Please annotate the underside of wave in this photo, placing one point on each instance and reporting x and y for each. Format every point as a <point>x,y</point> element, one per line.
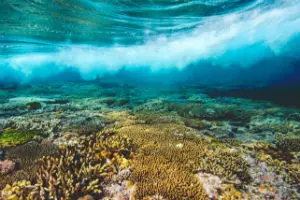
<point>261,44</point>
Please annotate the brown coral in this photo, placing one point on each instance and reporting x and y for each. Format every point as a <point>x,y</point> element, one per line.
<point>288,142</point>
<point>167,156</point>
<point>75,172</point>
<point>227,164</point>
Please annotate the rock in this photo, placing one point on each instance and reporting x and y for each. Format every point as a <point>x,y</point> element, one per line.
<point>211,184</point>
<point>33,105</point>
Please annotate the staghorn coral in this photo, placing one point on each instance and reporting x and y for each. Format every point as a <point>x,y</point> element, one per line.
<point>231,193</point>
<point>227,164</point>
<point>197,124</point>
<point>18,190</point>
<point>75,171</point>
<point>44,123</point>
<point>267,149</point>
<point>82,123</point>
<point>26,157</point>
<point>157,176</point>
<point>229,142</point>
<point>166,157</point>
<point>289,172</point>
<point>155,118</point>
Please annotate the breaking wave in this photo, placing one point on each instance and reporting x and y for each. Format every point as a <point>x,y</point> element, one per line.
<point>154,34</point>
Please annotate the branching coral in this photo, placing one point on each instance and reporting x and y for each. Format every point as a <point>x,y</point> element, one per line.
<point>156,175</point>
<point>230,193</point>
<point>26,156</point>
<point>289,172</point>
<point>167,156</point>
<point>75,172</point>
<point>267,149</point>
<point>226,164</point>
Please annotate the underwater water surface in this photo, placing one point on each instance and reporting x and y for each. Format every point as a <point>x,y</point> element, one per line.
<point>149,99</point>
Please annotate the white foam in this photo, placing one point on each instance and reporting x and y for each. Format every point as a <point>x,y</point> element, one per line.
<point>243,39</point>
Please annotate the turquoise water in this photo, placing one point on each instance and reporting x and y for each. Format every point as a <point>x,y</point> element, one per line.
<point>94,37</point>
<point>149,99</point>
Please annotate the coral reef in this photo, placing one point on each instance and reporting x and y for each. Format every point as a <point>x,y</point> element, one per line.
<point>155,143</point>
<point>212,111</point>
<point>25,157</point>
<point>75,172</point>
<point>227,164</point>
<point>6,166</point>
<point>33,105</point>
<point>167,156</point>
<point>211,184</point>
<point>156,175</point>
<point>288,142</point>
<point>12,137</point>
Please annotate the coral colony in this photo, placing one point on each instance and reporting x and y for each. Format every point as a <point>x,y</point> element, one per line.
<point>148,148</point>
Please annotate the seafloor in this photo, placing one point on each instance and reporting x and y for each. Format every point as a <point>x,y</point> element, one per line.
<point>93,140</point>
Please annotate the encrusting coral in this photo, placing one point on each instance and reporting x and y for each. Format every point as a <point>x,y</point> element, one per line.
<point>12,137</point>
<point>168,157</point>
<point>75,172</point>
<point>288,142</point>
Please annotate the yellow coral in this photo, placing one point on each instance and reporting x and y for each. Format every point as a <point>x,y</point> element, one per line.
<point>230,193</point>
<point>74,170</point>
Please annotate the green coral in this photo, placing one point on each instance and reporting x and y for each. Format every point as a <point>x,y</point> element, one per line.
<point>12,137</point>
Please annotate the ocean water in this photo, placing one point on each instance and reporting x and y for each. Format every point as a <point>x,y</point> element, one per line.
<point>149,99</point>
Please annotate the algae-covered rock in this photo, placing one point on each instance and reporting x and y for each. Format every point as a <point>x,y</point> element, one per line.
<point>122,101</point>
<point>12,137</point>
<point>33,105</point>
<point>288,142</point>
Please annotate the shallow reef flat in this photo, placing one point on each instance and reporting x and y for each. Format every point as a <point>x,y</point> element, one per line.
<point>94,140</point>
